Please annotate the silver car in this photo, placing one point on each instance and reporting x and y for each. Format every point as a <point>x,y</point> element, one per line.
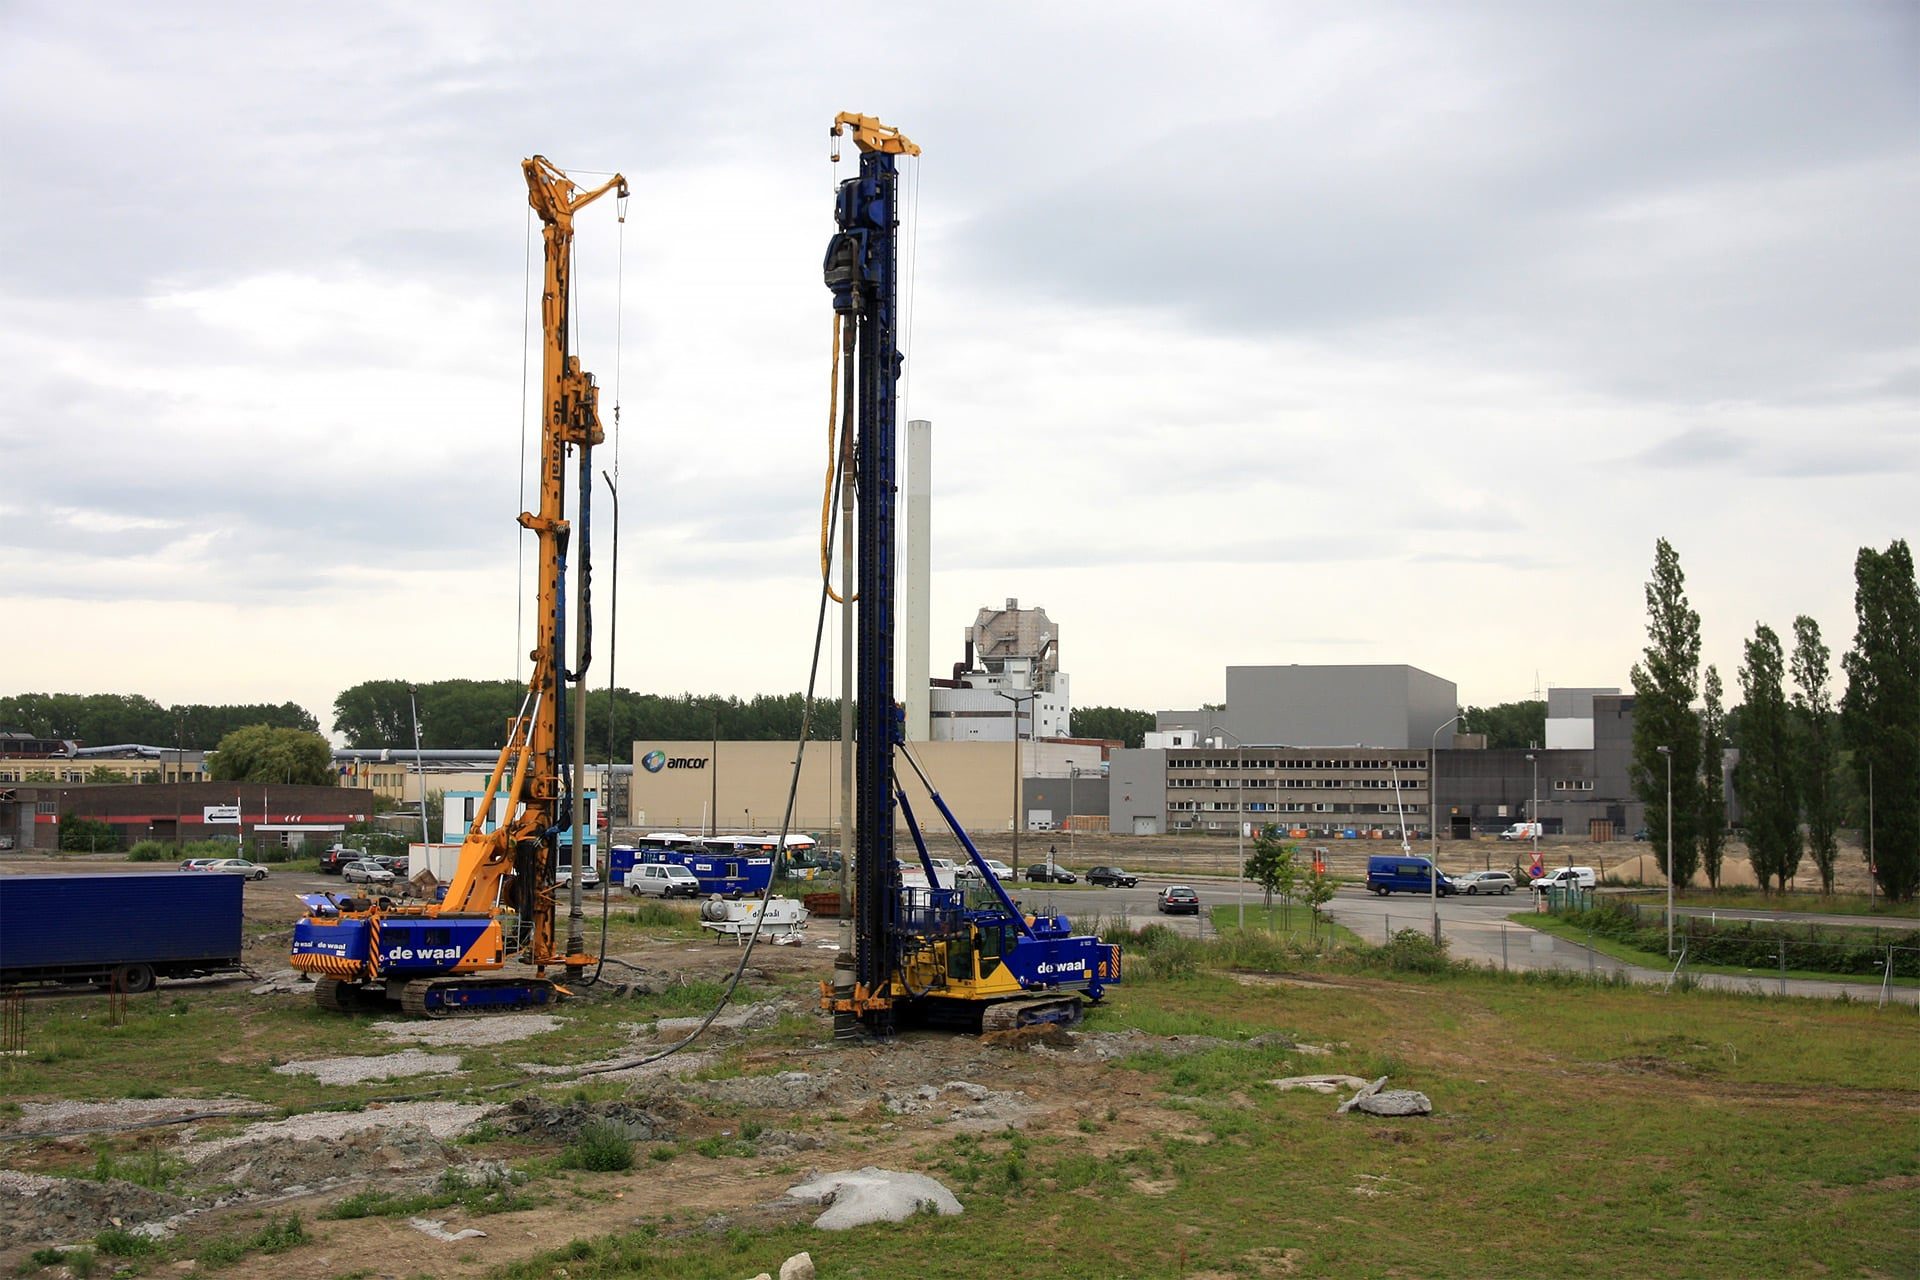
<point>1476,882</point>
<point>366,871</point>
<point>238,867</point>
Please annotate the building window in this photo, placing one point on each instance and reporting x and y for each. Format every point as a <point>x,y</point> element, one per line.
<point>1323,808</point>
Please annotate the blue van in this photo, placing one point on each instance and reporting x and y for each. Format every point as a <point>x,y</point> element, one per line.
<point>1404,874</point>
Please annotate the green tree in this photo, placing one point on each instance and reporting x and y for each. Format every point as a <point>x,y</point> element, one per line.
<point>1664,686</point>
<point>261,753</point>
<point>1319,890</point>
<point>375,713</point>
<point>88,835</point>
<point>1508,724</point>
<point>1816,747</point>
<point>1270,865</point>
<point>1119,723</point>
<point>1880,711</point>
<point>105,719</point>
<point>1766,770</point>
<point>1713,782</point>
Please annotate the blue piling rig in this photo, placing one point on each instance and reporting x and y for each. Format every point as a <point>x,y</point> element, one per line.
<point>919,955</point>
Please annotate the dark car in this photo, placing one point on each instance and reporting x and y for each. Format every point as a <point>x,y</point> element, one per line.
<point>1042,872</point>
<point>335,860</point>
<point>1178,899</point>
<point>1112,876</point>
<point>394,862</point>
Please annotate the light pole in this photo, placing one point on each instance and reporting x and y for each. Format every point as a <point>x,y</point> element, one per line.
<point>1668,753</point>
<point>1433,796</point>
<point>1533,809</point>
<point>1073,772</point>
<point>1239,823</point>
<point>1013,708</point>
<point>419,773</point>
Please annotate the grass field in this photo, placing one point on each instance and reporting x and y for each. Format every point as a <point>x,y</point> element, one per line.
<point>1577,1130</point>
<point>1618,950</point>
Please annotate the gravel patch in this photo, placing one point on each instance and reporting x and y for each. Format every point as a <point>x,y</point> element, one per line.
<point>492,1029</point>
<point>414,1062</point>
<point>36,1210</point>
<point>441,1120</point>
<point>57,1117</point>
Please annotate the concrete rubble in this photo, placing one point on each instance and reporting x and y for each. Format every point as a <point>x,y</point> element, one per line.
<point>498,1028</point>
<point>1395,1102</point>
<point>392,1066</point>
<point>974,1106</point>
<point>1319,1084</point>
<point>438,1230</point>
<point>856,1198</point>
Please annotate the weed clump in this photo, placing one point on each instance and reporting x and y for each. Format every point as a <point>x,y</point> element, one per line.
<point>600,1148</point>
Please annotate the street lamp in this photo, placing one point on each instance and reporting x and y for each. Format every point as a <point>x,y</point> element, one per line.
<point>419,771</point>
<point>1239,823</point>
<point>1533,809</point>
<point>1433,794</point>
<point>1013,707</point>
<point>1667,752</point>
<point>1073,772</point>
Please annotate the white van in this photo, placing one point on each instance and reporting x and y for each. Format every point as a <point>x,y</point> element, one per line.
<point>1566,877</point>
<point>662,880</point>
<point>1522,831</point>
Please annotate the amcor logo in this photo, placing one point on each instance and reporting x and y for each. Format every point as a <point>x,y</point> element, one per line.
<point>655,761</point>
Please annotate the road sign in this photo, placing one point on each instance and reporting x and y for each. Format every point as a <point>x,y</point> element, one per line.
<point>1536,871</point>
<point>228,814</point>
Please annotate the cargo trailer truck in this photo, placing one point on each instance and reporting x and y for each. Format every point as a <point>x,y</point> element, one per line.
<point>126,929</point>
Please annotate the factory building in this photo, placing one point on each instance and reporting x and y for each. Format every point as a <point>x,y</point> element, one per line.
<point>1008,684</point>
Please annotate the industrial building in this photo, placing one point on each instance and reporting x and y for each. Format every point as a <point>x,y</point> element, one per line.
<point>1009,683</point>
<point>261,815</point>
<point>1319,751</point>
<point>742,786</point>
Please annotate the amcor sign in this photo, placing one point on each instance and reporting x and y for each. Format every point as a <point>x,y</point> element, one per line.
<point>655,761</point>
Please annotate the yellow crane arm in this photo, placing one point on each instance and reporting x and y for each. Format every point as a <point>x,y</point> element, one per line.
<point>870,135</point>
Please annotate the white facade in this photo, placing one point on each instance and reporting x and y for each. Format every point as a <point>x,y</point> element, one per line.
<point>1570,718</point>
<point>1010,684</point>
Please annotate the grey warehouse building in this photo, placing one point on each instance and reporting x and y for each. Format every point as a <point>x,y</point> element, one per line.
<point>1361,705</point>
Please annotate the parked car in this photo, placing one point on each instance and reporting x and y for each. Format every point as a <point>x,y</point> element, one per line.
<point>1565,877</point>
<point>1112,876</point>
<point>1641,835</point>
<point>662,880</point>
<point>1409,874</point>
<point>394,862</point>
<point>336,858</point>
<point>589,879</point>
<point>1478,882</point>
<point>366,871</point>
<point>1523,831</point>
<point>999,868</point>
<point>237,867</point>
<point>197,864</point>
<point>1178,899</point>
<point>1042,872</point>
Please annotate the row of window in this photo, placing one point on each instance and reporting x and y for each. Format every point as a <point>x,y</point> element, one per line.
<point>1294,764</point>
<point>1214,806</point>
<point>1294,784</point>
<point>1573,784</point>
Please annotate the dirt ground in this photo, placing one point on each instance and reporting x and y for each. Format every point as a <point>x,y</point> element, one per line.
<point>809,1108</point>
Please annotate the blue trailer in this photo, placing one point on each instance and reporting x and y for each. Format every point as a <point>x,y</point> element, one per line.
<point>127,928</point>
<point>726,869</point>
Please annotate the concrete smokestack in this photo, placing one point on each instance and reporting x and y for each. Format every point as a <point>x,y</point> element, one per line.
<point>917,578</point>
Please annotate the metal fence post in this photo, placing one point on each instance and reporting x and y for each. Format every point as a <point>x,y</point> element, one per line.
<point>1783,966</point>
<point>1590,960</point>
<point>1886,979</point>
<point>1503,947</point>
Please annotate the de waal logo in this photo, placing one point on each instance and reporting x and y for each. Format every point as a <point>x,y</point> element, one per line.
<point>654,761</point>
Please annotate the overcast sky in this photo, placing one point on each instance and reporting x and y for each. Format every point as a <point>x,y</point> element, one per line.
<point>1250,333</point>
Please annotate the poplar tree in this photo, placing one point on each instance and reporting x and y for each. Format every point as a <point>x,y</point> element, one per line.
<point>1664,686</point>
<point>1713,782</point>
<point>1880,711</point>
<point>1816,753</point>
<point>1766,770</point>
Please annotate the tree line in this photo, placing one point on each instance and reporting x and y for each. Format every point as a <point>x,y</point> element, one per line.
<point>1804,763</point>
<point>108,719</point>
